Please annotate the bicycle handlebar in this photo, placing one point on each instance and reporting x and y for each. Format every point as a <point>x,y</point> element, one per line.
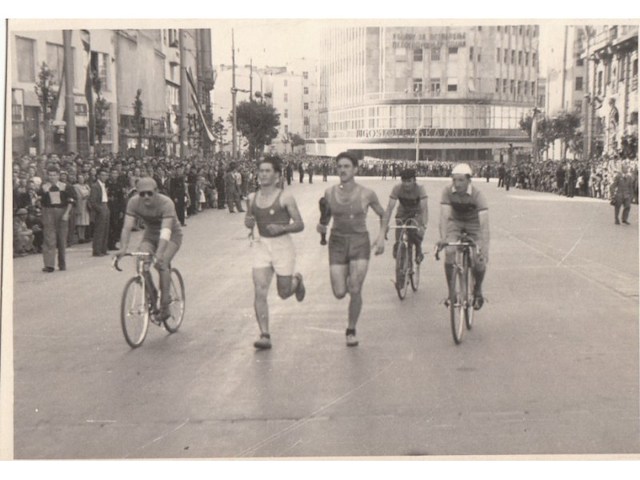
<point>467,242</point>
<point>114,262</point>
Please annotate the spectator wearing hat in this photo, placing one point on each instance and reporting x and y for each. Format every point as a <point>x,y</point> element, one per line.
<point>22,234</point>
<point>57,198</point>
<point>99,205</point>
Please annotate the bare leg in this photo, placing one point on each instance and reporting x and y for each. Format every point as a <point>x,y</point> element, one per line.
<point>261,282</point>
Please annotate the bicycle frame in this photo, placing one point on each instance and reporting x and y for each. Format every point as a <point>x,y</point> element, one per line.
<point>405,273</point>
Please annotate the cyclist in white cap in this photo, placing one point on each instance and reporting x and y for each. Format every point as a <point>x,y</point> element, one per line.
<point>464,208</point>
<point>162,233</point>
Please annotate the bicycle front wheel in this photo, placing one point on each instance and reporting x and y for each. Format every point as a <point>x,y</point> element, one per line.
<point>468,311</point>
<point>177,302</point>
<point>402,270</point>
<point>456,306</point>
<point>134,314</point>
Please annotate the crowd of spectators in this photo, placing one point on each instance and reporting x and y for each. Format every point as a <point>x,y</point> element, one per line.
<point>199,183</point>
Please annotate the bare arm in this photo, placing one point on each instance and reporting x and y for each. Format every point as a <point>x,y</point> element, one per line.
<point>387,217</point>
<point>424,209</point>
<point>129,223</point>
<point>445,214</point>
<point>249,221</point>
<point>297,225</point>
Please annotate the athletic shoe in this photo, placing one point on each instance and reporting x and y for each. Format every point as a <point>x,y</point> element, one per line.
<point>264,342</point>
<point>300,290</point>
<point>164,314</point>
<point>48,269</point>
<point>419,258</point>
<point>478,301</point>
<point>352,341</point>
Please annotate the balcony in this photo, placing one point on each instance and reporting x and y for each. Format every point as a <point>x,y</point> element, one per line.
<point>615,36</point>
<point>411,97</point>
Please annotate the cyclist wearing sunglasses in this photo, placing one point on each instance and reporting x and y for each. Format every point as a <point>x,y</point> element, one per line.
<point>162,234</point>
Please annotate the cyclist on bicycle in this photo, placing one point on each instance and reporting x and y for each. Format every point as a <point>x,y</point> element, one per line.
<point>413,205</point>
<point>464,209</point>
<point>162,234</point>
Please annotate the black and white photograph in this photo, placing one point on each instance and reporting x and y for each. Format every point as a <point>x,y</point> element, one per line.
<point>399,238</point>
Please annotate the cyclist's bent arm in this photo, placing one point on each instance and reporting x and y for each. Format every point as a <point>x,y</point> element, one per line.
<point>424,209</point>
<point>165,234</point>
<point>387,217</point>
<point>129,222</point>
<point>445,214</point>
<point>483,216</point>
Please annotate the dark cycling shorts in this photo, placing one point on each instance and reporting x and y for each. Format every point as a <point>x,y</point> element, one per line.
<point>344,248</point>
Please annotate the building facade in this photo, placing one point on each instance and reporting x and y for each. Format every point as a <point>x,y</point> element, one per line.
<point>111,65</point>
<point>432,93</point>
<point>612,119</point>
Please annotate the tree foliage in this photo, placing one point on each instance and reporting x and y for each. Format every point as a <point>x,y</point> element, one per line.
<point>101,107</point>
<point>258,122</point>
<point>565,126</point>
<point>47,98</point>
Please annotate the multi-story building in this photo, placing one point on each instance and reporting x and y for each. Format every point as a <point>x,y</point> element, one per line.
<point>90,49</point>
<point>124,61</point>
<point>436,93</point>
<point>612,53</point>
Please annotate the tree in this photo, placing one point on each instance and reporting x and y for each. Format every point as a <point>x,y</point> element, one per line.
<point>629,146</point>
<point>219,132</point>
<point>47,98</point>
<point>101,107</point>
<point>138,119</point>
<point>258,122</point>
<point>565,126</point>
<point>545,134</point>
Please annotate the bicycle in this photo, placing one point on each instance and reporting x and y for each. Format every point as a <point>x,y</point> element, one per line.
<point>461,305</point>
<point>407,271</point>
<point>140,298</point>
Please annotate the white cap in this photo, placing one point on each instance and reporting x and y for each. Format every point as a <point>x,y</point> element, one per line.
<point>461,169</point>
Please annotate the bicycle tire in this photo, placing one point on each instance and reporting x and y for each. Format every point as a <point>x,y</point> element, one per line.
<point>134,314</point>
<point>177,304</point>
<point>401,271</point>
<point>415,276</point>
<point>456,307</point>
<point>468,312</point>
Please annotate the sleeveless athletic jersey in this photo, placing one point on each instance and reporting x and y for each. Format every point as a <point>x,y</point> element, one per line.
<point>466,205</point>
<point>348,218</point>
<point>161,208</point>
<point>409,201</point>
<point>274,214</point>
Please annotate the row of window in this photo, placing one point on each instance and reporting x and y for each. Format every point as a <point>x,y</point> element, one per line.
<point>29,68</point>
<point>428,116</point>
<point>525,30</point>
<point>503,56</point>
<point>513,87</point>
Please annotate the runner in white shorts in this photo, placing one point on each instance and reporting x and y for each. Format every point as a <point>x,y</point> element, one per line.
<point>276,215</point>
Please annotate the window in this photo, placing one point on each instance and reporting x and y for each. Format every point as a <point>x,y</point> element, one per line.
<point>526,88</point>
<point>498,54</point>
<point>621,70</point>
<point>17,105</point>
<point>435,54</point>
<point>286,129</point>
<point>480,28</point>
<point>81,109</point>
<point>25,51</point>
<point>513,57</point>
<point>533,88</point>
<point>497,85</point>
<point>506,56</point>
<point>306,106</point>
<point>479,56</point>
<point>101,65</point>
<point>520,57</point>
<point>417,85</point>
<point>505,84</point>
<point>534,58</point>
<point>580,62</point>
<point>512,90</point>
<point>471,54</point>
<point>306,121</point>
<point>452,85</point>
<point>453,50</point>
<point>305,75</point>
<point>286,97</point>
<point>600,82</point>
<point>578,83</point>
<point>417,55</point>
<point>306,90</point>
<point>173,38</point>
<point>520,30</point>
<point>526,59</point>
<point>435,86</point>
<point>286,113</point>
<point>286,82</point>
<point>499,28</point>
<point>55,61</point>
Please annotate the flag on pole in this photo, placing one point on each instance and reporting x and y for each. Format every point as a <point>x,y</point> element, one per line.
<point>194,99</point>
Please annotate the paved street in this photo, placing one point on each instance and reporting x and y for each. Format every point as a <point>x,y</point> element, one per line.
<point>551,366</point>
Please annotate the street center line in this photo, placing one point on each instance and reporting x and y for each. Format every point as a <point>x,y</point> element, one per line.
<point>571,250</point>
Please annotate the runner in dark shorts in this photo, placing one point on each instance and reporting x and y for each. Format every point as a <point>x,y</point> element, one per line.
<point>349,247</point>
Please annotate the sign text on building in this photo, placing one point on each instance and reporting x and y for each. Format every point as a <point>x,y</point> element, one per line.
<point>424,132</point>
<point>423,40</point>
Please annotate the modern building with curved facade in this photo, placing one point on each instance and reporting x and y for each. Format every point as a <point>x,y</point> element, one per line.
<point>436,93</point>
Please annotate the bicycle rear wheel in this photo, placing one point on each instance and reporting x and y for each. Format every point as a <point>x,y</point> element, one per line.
<point>177,303</point>
<point>456,306</point>
<point>468,311</point>
<point>402,270</point>
<point>134,314</point>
